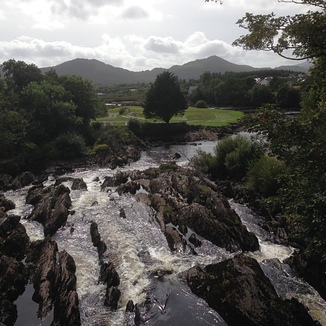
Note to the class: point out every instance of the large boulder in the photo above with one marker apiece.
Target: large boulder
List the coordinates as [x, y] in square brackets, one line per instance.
[241, 293]
[51, 206]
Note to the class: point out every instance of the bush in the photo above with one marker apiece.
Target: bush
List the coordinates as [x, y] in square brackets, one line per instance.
[69, 145]
[201, 104]
[203, 162]
[233, 156]
[135, 126]
[263, 175]
[101, 148]
[124, 110]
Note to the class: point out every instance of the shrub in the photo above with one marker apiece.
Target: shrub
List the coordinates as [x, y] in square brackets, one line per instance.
[101, 148]
[203, 162]
[124, 110]
[233, 156]
[69, 145]
[201, 104]
[263, 175]
[135, 126]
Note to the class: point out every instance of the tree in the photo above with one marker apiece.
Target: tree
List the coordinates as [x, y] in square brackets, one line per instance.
[303, 34]
[19, 74]
[164, 99]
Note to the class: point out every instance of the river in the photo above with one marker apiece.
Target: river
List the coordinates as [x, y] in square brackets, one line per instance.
[139, 251]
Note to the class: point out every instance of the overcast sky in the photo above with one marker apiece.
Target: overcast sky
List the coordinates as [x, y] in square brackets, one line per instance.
[135, 35]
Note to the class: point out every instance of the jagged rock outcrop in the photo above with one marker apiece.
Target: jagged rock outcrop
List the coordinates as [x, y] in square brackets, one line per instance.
[241, 293]
[14, 240]
[51, 206]
[66, 311]
[53, 276]
[13, 279]
[96, 240]
[108, 273]
[186, 201]
[14, 243]
[79, 184]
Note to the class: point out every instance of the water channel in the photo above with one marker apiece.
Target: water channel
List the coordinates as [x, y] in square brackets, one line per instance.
[140, 253]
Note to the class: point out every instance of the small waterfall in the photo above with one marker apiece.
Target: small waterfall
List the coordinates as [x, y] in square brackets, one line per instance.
[271, 258]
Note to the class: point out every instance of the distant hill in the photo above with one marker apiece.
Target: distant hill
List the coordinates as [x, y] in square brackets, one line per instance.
[105, 74]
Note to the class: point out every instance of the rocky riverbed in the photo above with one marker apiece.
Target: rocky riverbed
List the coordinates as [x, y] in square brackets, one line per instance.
[184, 212]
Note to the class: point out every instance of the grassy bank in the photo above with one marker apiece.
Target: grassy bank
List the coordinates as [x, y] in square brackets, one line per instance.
[193, 116]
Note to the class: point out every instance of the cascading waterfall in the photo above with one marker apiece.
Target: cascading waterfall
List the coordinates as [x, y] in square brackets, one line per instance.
[140, 253]
[271, 258]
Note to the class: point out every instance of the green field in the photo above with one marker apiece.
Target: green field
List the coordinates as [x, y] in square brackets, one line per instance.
[193, 116]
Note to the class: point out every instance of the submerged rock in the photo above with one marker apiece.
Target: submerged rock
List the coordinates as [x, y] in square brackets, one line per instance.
[241, 293]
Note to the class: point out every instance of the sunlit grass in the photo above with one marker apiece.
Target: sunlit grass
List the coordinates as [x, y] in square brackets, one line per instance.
[192, 116]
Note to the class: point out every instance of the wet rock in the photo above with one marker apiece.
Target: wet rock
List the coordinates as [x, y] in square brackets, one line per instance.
[174, 239]
[312, 270]
[95, 235]
[122, 213]
[43, 268]
[130, 187]
[101, 249]
[79, 184]
[66, 310]
[241, 293]
[6, 204]
[51, 207]
[185, 200]
[109, 275]
[194, 240]
[13, 278]
[130, 307]
[143, 198]
[14, 240]
[233, 237]
[22, 180]
[115, 181]
[112, 297]
[53, 276]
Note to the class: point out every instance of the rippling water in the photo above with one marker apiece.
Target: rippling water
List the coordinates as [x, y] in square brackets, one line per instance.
[138, 249]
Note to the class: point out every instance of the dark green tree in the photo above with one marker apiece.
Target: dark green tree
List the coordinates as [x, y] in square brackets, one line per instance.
[164, 99]
[19, 74]
[261, 94]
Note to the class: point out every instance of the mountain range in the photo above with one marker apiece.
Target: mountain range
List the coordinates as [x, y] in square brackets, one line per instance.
[104, 74]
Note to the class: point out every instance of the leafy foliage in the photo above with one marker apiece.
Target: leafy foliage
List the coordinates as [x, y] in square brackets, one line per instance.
[287, 33]
[164, 99]
[263, 175]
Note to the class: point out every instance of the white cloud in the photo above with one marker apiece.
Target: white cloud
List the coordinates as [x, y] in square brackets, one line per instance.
[135, 36]
[134, 12]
